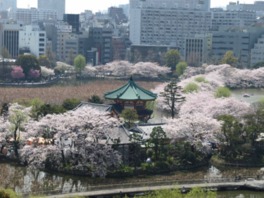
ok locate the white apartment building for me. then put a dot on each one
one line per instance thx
(168, 22)
(28, 16)
(55, 5)
(257, 52)
(34, 39)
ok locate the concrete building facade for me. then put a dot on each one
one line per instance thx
(29, 16)
(257, 52)
(9, 38)
(101, 39)
(168, 23)
(34, 39)
(55, 5)
(10, 5)
(224, 19)
(244, 44)
(257, 7)
(74, 21)
(236, 41)
(197, 49)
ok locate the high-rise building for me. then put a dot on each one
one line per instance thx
(74, 21)
(117, 14)
(257, 7)
(168, 22)
(9, 5)
(34, 39)
(101, 39)
(9, 38)
(197, 49)
(29, 16)
(224, 19)
(257, 52)
(202, 5)
(244, 43)
(58, 5)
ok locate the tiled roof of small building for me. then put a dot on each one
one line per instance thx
(130, 91)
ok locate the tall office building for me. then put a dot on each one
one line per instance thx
(58, 5)
(168, 22)
(74, 21)
(225, 19)
(28, 16)
(9, 38)
(9, 5)
(257, 7)
(202, 5)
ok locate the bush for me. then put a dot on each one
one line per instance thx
(222, 92)
(7, 193)
(201, 79)
(95, 99)
(50, 109)
(124, 171)
(180, 68)
(191, 87)
(35, 103)
(71, 103)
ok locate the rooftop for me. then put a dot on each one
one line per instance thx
(130, 91)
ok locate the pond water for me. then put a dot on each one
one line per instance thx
(28, 181)
(248, 95)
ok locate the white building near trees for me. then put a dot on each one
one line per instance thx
(33, 39)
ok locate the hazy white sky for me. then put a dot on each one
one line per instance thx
(78, 6)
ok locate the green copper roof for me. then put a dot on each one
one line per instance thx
(130, 91)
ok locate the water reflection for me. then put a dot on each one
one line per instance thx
(240, 194)
(29, 181)
(254, 94)
(213, 174)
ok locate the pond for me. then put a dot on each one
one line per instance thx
(28, 181)
(248, 95)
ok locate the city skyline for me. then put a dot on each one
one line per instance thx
(101, 5)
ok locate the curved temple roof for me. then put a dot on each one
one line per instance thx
(130, 91)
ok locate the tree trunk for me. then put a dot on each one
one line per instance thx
(16, 142)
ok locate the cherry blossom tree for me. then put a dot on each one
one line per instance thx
(197, 119)
(34, 74)
(89, 71)
(150, 70)
(193, 128)
(62, 67)
(17, 72)
(46, 72)
(140, 69)
(117, 68)
(79, 138)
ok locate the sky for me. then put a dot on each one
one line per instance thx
(78, 6)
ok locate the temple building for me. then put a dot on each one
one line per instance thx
(132, 96)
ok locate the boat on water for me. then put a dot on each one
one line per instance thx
(245, 95)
